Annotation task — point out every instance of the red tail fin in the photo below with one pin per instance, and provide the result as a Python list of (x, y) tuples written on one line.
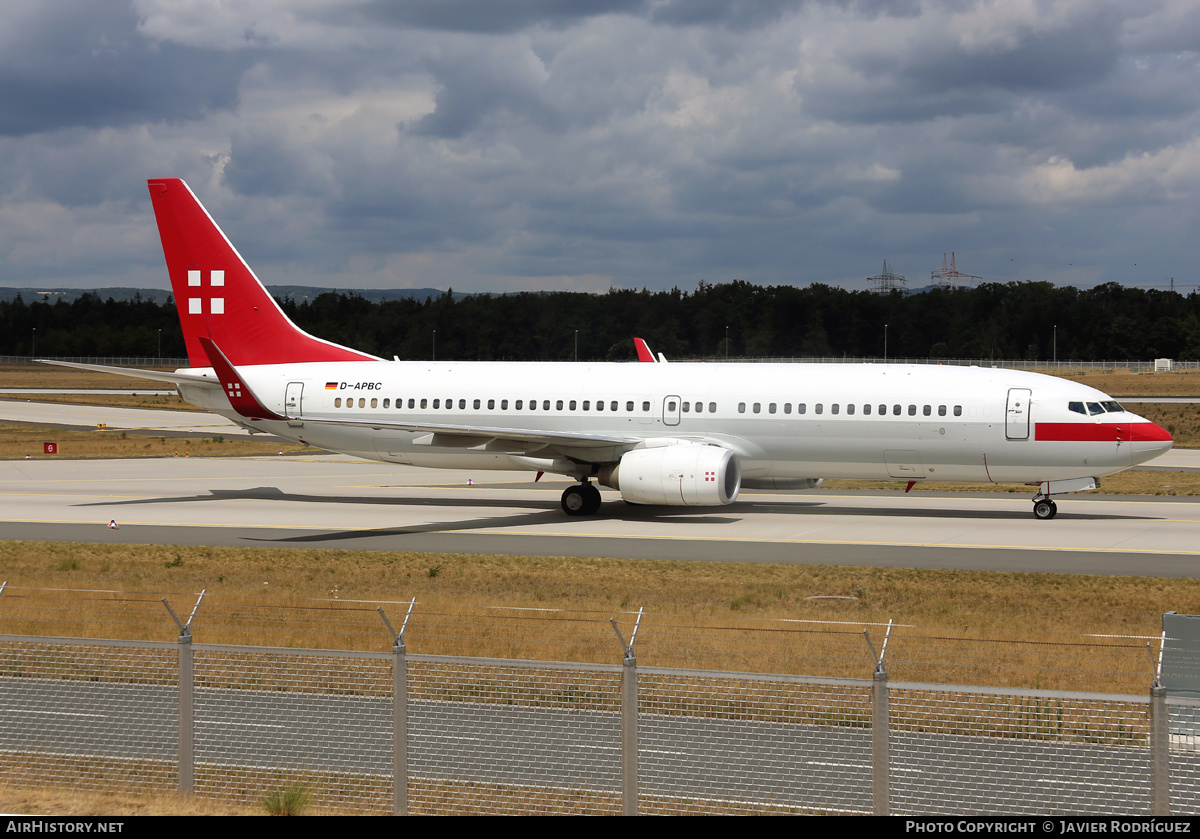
[(218, 295)]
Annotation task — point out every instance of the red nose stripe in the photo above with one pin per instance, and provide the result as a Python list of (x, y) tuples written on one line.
[(1103, 432)]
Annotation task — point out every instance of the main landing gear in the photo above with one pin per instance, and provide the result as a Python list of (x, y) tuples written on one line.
[(583, 499), (1044, 508)]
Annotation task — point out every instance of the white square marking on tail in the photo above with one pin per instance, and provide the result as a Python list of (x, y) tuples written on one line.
[(193, 278), (194, 305), (216, 306), (216, 277)]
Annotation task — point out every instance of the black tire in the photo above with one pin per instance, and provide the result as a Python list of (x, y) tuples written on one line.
[(593, 500), (575, 501), (1044, 509)]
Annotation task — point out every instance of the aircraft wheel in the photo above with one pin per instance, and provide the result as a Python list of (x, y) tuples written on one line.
[(592, 496), (1044, 509), (575, 500)]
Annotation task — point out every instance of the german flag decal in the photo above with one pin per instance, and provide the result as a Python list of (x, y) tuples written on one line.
[(331, 385)]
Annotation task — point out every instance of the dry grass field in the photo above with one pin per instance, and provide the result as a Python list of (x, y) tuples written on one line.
[(18, 441), (341, 589)]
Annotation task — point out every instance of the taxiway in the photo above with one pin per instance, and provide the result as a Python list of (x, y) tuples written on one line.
[(332, 501)]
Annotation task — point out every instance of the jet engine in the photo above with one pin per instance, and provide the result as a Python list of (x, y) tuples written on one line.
[(680, 475)]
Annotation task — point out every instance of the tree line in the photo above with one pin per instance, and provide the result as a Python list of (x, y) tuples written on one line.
[(1028, 320)]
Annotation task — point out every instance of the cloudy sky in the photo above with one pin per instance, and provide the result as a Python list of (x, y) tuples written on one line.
[(495, 145)]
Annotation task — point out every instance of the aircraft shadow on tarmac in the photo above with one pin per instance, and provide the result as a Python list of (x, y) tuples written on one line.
[(540, 512)]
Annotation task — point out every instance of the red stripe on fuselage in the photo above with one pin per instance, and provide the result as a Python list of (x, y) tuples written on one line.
[(1101, 432)]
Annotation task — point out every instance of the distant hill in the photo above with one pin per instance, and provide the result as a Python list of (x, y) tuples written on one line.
[(298, 293)]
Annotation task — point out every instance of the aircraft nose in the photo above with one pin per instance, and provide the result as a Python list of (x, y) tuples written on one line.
[(1148, 439)]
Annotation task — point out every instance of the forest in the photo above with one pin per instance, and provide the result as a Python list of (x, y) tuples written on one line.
[(1028, 320)]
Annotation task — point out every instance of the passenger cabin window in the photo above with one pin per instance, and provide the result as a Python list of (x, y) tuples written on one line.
[(437, 403), (387, 403), (491, 404), (545, 404), (801, 408), (867, 410), (787, 407), (958, 410), (687, 407), (670, 406), (820, 408), (629, 406), (741, 407), (612, 406), (587, 405), (462, 405), (572, 405), (941, 410), (558, 405), (517, 405), (758, 407), (912, 410), (895, 410), (412, 403), (645, 406), (771, 408), (503, 404), (850, 409), (337, 403), (834, 408), (374, 403), (927, 410)]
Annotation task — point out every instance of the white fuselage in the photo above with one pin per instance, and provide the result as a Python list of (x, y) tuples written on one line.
[(883, 422)]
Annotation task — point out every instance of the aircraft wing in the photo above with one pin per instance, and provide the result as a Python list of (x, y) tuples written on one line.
[(155, 375), (472, 436)]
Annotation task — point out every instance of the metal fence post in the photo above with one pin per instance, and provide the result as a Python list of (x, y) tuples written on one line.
[(880, 754), (1160, 753), (629, 721), (1160, 738), (187, 704), (399, 713)]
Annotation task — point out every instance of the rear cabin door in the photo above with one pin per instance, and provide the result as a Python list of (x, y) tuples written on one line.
[(292, 399), (1016, 415)]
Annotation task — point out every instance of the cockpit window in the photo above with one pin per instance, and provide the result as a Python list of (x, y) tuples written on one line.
[(1112, 407), (1095, 408), (1077, 407)]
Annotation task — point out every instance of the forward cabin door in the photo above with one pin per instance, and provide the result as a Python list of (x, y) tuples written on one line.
[(292, 398), (1016, 415)]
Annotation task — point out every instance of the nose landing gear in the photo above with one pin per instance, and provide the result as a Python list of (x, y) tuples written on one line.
[(583, 499)]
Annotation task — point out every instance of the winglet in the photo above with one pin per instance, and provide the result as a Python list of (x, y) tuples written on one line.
[(643, 351), (240, 396)]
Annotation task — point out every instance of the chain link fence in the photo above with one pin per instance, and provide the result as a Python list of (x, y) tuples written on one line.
[(661, 717)]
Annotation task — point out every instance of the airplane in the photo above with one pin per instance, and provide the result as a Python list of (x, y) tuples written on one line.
[(677, 434)]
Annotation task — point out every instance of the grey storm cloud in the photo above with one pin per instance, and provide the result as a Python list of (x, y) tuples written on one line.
[(81, 63), (554, 144)]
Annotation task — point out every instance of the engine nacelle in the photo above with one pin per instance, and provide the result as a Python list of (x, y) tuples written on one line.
[(681, 475)]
